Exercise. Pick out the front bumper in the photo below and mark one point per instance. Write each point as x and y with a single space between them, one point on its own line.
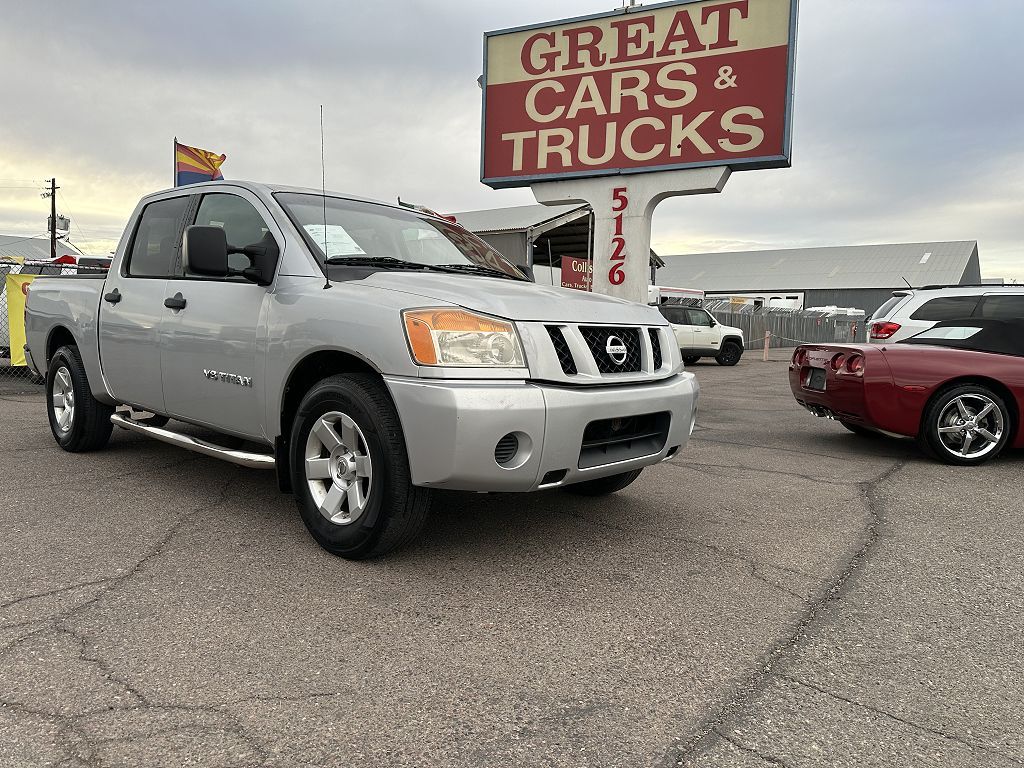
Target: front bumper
452 427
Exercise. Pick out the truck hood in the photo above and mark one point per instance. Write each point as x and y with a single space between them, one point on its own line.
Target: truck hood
515 300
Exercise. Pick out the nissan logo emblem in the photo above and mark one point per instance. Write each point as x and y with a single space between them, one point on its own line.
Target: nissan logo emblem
616 350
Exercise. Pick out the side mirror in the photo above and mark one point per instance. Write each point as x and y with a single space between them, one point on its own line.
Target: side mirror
263 257
206 251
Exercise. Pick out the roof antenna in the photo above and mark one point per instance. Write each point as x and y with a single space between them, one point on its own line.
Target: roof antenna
901 276
323 196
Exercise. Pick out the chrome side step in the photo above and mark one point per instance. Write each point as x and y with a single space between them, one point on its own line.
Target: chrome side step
242 458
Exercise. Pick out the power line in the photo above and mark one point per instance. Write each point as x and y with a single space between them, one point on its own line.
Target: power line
71 215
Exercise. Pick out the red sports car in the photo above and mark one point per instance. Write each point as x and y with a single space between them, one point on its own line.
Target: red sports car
957 387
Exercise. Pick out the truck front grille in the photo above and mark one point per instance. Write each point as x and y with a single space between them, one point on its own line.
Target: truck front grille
655 347
562 350
597 338
610 440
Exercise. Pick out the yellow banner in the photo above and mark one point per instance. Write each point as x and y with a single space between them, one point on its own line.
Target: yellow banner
17 291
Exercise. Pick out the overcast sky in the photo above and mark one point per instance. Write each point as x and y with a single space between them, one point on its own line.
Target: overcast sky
909 115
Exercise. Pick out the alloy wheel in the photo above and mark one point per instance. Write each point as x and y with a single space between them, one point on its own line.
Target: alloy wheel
338 468
62 400
971 426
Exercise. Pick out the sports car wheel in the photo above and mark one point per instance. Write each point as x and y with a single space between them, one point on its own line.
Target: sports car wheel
966 425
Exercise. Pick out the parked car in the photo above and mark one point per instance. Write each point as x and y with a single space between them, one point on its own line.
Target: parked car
909 312
958 387
698 334
369 353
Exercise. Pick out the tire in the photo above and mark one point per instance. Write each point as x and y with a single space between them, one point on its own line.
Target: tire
729 354
384 511
78 421
952 416
603 486
859 430
690 359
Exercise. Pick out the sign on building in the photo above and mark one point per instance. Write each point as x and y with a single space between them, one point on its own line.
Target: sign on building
576 273
672 86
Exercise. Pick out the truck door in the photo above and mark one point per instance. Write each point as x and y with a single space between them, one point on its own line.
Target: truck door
131 309
212 348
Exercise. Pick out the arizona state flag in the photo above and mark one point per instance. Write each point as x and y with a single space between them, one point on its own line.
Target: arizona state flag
193 165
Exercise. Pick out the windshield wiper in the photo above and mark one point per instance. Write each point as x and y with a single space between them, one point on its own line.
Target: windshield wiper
480 269
390 262
373 261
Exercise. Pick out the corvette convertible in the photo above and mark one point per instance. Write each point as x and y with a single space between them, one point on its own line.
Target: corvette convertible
958 388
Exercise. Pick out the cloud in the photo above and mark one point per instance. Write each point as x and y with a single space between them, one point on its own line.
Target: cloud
907 121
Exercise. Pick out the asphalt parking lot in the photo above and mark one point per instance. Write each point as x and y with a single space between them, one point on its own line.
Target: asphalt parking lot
781 593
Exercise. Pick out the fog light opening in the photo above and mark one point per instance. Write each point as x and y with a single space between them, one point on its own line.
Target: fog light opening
513 450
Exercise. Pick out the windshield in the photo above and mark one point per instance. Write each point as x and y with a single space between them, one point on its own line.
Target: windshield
361 231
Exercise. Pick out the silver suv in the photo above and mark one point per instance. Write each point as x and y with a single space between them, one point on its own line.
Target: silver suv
910 312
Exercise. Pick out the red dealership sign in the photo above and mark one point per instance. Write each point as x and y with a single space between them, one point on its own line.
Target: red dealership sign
577 273
675 85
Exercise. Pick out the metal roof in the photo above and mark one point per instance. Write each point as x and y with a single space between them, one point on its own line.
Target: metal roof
517 219
32 247
849 266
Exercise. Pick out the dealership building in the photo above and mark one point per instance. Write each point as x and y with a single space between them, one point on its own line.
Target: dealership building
861 276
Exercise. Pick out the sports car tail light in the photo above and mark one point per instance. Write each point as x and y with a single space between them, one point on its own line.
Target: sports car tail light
837 361
855 365
883 330
799 356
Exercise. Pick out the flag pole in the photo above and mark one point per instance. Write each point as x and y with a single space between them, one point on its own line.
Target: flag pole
174 163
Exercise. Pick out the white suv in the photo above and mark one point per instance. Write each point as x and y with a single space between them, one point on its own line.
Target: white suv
699 335
910 312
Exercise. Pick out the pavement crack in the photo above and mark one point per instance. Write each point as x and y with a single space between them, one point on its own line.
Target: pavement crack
775 448
723 471
909 723
743 692
56 591
753 563
770 759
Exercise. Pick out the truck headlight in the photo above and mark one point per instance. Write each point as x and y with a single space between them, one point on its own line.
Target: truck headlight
459 338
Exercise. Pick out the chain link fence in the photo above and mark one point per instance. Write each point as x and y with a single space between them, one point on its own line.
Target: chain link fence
789 327
15 375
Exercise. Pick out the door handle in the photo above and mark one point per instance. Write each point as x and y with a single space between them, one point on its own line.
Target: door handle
113 297
177 301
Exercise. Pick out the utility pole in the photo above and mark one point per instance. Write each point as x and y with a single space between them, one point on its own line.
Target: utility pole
52 194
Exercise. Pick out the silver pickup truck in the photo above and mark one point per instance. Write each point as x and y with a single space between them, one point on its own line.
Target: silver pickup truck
366 352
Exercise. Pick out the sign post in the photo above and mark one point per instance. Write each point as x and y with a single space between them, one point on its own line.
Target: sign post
623 109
